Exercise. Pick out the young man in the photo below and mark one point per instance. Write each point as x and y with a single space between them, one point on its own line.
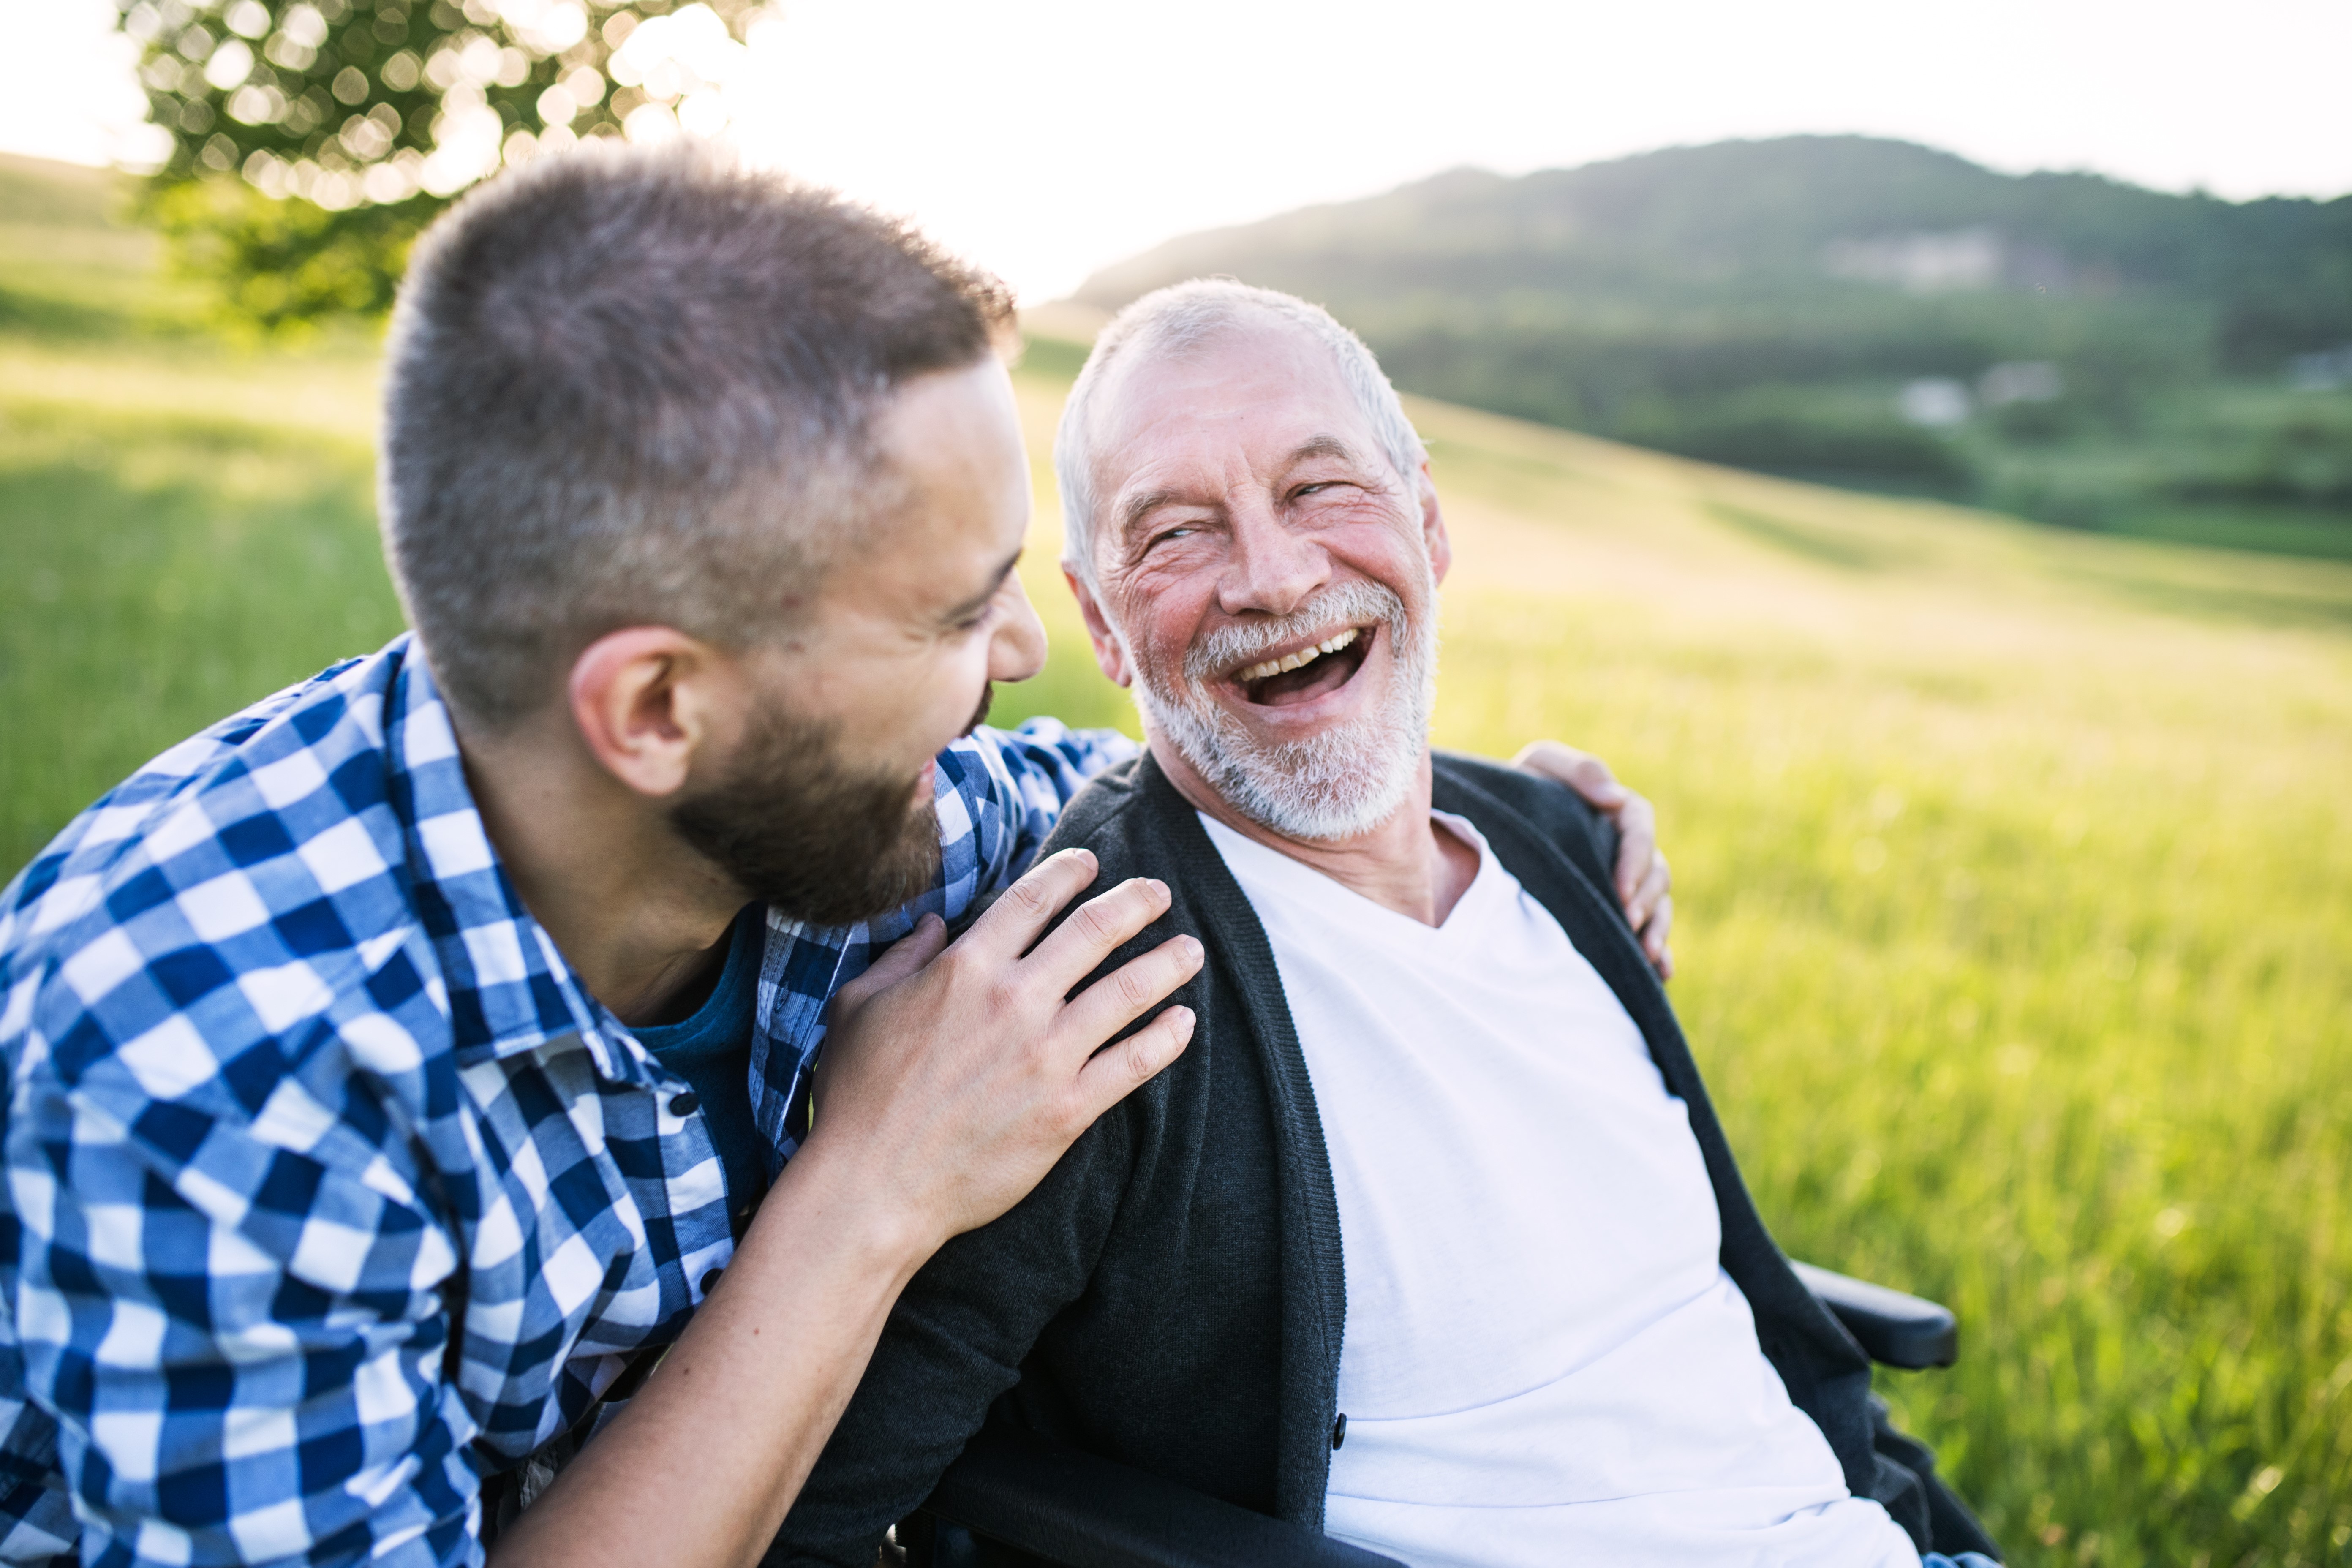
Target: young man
1430 1239
381 1060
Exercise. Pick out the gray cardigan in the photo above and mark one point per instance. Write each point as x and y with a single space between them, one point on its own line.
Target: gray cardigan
1171 1296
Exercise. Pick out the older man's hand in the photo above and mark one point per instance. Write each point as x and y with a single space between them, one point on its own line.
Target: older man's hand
1643 883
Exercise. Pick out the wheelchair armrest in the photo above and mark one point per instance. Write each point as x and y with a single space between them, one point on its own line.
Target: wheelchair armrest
1895 1328
1085 1511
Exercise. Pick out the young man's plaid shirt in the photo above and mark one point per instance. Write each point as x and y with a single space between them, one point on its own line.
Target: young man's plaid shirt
291 1070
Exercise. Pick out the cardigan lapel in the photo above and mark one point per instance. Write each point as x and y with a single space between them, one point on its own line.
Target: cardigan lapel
1314 1279
1814 1356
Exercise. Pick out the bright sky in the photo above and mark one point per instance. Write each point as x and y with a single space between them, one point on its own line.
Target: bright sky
1049 138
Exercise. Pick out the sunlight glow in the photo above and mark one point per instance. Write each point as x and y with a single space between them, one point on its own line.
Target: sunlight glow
1049 138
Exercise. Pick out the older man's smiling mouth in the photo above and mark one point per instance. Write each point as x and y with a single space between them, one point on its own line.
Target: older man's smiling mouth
1307 673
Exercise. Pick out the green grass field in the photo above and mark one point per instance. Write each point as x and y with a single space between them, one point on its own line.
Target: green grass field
2014 866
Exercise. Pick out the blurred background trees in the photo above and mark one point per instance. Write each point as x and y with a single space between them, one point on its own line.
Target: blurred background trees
1871 313
310 141
1868 312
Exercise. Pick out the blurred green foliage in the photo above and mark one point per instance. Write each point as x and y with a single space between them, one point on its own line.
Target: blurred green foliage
277 262
310 141
2106 357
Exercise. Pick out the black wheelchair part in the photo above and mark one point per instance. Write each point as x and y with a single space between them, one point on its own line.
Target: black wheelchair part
1016 1500
1893 1329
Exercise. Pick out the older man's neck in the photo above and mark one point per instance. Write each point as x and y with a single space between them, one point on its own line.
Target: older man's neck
1409 863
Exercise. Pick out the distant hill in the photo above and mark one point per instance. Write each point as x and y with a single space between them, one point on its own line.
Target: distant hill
43 191
2063 345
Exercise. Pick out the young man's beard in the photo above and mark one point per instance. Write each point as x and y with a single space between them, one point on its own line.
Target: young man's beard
801 832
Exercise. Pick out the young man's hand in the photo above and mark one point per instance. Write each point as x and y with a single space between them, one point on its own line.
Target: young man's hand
954 1075
960 1067
1643 879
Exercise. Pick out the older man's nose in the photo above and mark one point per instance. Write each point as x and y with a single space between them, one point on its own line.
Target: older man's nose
1272 568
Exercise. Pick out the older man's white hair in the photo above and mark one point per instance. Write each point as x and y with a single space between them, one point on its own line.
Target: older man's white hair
1183 317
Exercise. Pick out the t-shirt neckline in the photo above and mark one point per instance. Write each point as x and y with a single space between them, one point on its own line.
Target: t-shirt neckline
1282 873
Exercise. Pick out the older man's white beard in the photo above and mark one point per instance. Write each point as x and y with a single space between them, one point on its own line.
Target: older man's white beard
1337 785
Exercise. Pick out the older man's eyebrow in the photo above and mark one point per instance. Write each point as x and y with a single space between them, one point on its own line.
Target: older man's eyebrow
1322 447
1138 506
1143 504
979 601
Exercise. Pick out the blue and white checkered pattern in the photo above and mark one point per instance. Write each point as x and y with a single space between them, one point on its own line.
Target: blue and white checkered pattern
996 800
290 1070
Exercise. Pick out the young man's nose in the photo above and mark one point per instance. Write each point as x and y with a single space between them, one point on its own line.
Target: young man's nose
1273 567
1017 649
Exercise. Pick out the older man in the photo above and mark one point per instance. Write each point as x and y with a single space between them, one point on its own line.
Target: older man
1430 1239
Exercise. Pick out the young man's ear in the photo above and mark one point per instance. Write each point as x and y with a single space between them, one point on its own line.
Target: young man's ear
1110 653
646 700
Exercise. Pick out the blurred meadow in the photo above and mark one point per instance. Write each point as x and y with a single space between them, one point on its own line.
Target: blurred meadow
2014 874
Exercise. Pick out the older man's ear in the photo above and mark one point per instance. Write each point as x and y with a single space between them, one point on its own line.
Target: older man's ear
1110 653
1432 526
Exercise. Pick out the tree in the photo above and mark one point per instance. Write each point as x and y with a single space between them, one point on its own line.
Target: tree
313 141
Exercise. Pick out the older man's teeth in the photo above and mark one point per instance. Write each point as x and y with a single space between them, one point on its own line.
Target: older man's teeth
1305 655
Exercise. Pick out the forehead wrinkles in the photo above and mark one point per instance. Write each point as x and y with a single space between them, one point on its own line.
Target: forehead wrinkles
1222 386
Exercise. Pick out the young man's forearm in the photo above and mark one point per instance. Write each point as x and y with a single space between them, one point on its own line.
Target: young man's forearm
700 1468
980 1057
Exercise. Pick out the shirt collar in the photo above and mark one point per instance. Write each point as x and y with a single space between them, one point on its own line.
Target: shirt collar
509 989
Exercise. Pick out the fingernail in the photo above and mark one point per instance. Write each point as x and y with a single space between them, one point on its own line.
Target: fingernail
1192 947
1158 887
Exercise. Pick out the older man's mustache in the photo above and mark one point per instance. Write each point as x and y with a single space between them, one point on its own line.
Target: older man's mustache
1231 648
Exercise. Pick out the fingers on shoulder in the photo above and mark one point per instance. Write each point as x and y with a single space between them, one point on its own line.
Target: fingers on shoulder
1051 883
1120 997
1127 1065
1011 924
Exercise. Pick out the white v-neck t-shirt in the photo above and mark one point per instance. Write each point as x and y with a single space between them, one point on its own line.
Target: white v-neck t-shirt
1544 1361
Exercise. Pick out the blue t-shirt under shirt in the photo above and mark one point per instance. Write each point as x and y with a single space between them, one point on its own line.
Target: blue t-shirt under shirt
712 1050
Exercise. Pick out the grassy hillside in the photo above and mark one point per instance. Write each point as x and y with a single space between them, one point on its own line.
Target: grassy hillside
184 526
2015 932
2091 353
2015 885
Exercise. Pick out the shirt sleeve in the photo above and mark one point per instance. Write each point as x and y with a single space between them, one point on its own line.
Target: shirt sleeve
242 1341
37 1519
1010 787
